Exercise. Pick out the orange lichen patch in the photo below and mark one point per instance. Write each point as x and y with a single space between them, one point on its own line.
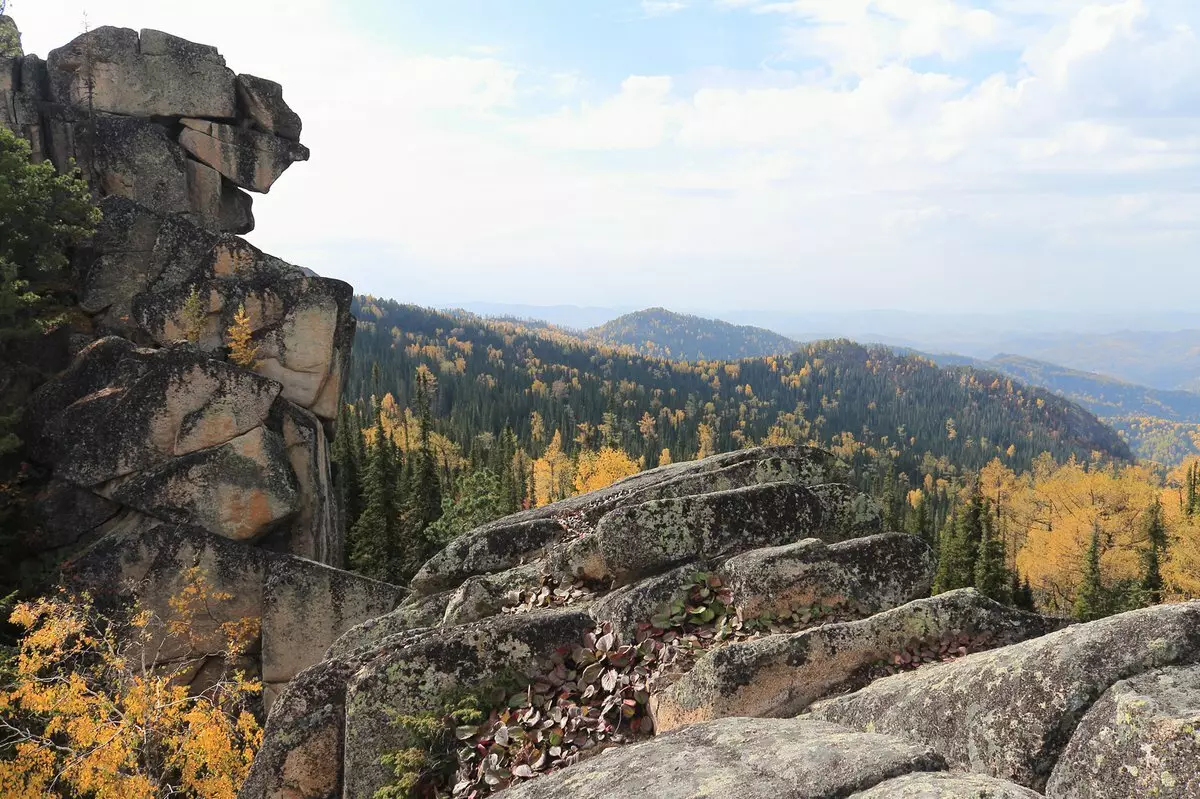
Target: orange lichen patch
310 768
245 512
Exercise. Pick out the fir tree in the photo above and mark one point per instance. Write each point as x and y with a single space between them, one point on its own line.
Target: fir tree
347 460
991 578
1156 544
242 349
1091 602
374 537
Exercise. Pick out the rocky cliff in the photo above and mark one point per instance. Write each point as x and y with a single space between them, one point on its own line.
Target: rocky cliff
164 453
737 626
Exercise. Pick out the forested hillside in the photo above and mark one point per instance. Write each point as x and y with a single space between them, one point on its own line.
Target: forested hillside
863 401
660 333
1161 426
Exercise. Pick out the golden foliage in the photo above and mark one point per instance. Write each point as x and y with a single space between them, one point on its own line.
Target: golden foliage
599 469
242 349
87 713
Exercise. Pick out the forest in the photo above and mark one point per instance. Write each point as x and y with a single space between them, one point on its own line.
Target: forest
454 420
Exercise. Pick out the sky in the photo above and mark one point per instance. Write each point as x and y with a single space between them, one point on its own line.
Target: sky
927 155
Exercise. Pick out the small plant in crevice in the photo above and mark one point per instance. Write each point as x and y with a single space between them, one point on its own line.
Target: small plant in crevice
917 653
580 700
552 593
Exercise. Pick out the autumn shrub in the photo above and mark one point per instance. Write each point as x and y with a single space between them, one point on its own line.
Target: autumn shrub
85 711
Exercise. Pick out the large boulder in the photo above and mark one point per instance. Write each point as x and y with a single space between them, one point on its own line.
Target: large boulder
527 536
632 542
873 573
744 758
240 489
1141 738
1011 711
941 785
261 102
151 75
781 675
250 159
119 409
163 279
306 607
416 676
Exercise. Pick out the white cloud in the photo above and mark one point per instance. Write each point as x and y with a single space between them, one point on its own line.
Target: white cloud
876 179
662 8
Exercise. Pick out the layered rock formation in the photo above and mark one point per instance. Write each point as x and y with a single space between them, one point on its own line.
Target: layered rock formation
162 452
898 693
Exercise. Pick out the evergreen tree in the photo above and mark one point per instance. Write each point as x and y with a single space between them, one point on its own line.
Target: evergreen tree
949 558
1023 595
375 535
1091 602
345 456
1156 545
476 501
991 578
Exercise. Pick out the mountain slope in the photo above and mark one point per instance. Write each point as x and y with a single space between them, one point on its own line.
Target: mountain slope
1160 425
862 401
658 332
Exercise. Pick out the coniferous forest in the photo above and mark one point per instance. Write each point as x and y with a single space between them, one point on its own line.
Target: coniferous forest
453 420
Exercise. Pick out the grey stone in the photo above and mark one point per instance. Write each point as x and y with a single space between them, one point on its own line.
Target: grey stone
307 606
250 159
413 677
65 513
1011 711
261 102
781 675
940 785
474 600
874 573
216 203
154 75
744 758
118 410
631 605
1141 738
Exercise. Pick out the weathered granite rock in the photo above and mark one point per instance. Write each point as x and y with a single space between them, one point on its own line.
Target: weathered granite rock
261 102
941 785
301 755
308 606
10 38
65 513
424 614
119 409
409 678
1011 711
240 489
1141 738
744 758
148 266
250 159
215 202
875 573
524 536
474 600
781 675
125 157
631 605
154 75
633 542
139 555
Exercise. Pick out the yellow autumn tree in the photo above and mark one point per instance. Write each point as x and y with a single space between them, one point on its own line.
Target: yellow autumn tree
664 457
87 713
599 469
552 473
239 337
706 441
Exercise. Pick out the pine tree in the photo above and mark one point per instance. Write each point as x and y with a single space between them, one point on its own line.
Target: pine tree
949 556
1091 602
1023 595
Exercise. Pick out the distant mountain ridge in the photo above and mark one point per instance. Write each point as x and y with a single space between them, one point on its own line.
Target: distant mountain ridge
657 332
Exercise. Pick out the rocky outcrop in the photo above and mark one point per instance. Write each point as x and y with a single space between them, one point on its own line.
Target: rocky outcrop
781 675
163 453
1011 712
746 758
1139 739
